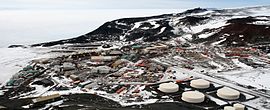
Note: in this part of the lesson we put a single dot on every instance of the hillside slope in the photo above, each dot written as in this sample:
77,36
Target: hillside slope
227,27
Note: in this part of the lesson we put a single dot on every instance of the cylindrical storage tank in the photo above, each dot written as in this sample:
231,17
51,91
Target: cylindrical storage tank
229,108
228,93
239,106
200,84
193,97
168,87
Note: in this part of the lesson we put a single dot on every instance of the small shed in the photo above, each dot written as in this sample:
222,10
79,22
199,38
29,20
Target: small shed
67,66
74,77
115,53
102,58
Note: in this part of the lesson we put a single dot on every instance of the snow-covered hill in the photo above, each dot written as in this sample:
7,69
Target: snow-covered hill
228,27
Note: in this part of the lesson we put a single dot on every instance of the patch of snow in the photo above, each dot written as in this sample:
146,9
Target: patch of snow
240,64
258,78
220,67
140,39
181,39
259,103
175,20
145,28
210,25
162,30
177,30
122,37
261,22
187,37
181,75
120,23
149,101
221,55
179,58
218,42
241,35
76,90
155,24
2,92
136,25
47,106
234,42
205,35
218,101
262,18
215,64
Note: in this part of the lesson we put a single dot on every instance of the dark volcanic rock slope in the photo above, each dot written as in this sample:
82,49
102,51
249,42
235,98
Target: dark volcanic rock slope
230,27
125,29
247,31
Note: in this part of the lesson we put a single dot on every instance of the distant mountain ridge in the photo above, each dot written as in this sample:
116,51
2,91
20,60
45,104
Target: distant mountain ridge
226,27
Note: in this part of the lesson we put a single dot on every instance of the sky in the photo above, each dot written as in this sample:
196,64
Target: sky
127,4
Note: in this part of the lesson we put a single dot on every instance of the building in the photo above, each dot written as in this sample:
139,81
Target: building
115,53
46,99
159,47
74,77
101,69
67,66
120,63
102,58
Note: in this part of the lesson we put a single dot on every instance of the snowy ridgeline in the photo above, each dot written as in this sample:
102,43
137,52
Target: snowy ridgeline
49,25
208,26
